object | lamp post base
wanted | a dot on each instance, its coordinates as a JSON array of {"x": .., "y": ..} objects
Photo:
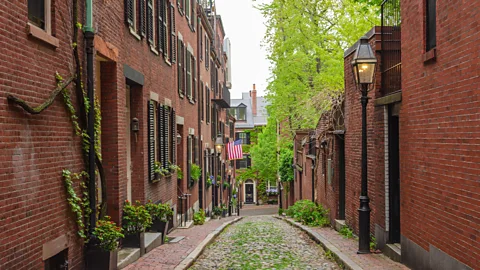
[{"x": 364, "y": 230}]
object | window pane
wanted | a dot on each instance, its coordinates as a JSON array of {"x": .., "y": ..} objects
[
  {"x": 241, "y": 114},
  {"x": 36, "y": 12},
  {"x": 243, "y": 137}
]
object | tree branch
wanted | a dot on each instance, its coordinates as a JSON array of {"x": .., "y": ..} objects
[{"x": 46, "y": 104}]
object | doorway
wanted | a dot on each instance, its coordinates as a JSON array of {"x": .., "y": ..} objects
[
  {"x": 249, "y": 192},
  {"x": 394, "y": 174},
  {"x": 341, "y": 177}
]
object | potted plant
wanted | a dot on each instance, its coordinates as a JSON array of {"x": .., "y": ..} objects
[
  {"x": 219, "y": 180},
  {"x": 103, "y": 253},
  {"x": 160, "y": 213},
  {"x": 136, "y": 219},
  {"x": 199, "y": 217},
  {"x": 216, "y": 212},
  {"x": 157, "y": 170},
  {"x": 224, "y": 209},
  {"x": 209, "y": 182},
  {"x": 226, "y": 185},
  {"x": 195, "y": 172}
]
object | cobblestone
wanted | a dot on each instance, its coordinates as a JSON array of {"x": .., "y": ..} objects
[{"x": 263, "y": 242}]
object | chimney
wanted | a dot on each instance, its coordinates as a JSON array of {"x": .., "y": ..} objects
[{"x": 253, "y": 94}]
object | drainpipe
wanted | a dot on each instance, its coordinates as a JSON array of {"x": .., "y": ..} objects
[
  {"x": 313, "y": 179},
  {"x": 89, "y": 36}
]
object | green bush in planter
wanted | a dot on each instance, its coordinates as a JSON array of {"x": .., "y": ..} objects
[
  {"x": 195, "y": 172},
  {"x": 226, "y": 185},
  {"x": 308, "y": 213},
  {"x": 217, "y": 211},
  {"x": 108, "y": 234},
  {"x": 136, "y": 218},
  {"x": 199, "y": 217},
  {"x": 161, "y": 211}
]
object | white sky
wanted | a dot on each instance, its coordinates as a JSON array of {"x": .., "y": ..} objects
[{"x": 244, "y": 25}]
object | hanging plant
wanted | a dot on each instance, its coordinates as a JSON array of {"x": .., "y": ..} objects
[{"x": 195, "y": 172}]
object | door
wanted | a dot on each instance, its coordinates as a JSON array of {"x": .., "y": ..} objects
[
  {"x": 341, "y": 180},
  {"x": 249, "y": 193},
  {"x": 394, "y": 176},
  {"x": 129, "y": 146}
]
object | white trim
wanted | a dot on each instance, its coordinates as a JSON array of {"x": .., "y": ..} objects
[
  {"x": 48, "y": 17},
  {"x": 254, "y": 191}
]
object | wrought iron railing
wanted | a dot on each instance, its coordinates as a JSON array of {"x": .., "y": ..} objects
[{"x": 391, "y": 66}]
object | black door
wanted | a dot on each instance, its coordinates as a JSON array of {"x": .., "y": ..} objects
[
  {"x": 394, "y": 177},
  {"x": 341, "y": 180},
  {"x": 248, "y": 193}
]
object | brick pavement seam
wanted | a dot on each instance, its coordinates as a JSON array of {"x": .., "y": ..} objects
[
  {"x": 340, "y": 257},
  {"x": 193, "y": 256}
]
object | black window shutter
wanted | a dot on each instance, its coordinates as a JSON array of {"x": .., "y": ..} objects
[
  {"x": 237, "y": 163},
  {"x": 192, "y": 13},
  {"x": 195, "y": 155},
  {"x": 174, "y": 137},
  {"x": 150, "y": 17},
  {"x": 194, "y": 74},
  {"x": 141, "y": 17},
  {"x": 185, "y": 59},
  {"x": 189, "y": 150},
  {"x": 179, "y": 67},
  {"x": 249, "y": 161},
  {"x": 248, "y": 137},
  {"x": 165, "y": 135},
  {"x": 161, "y": 129},
  {"x": 173, "y": 48},
  {"x": 237, "y": 136},
  {"x": 151, "y": 141},
  {"x": 160, "y": 25},
  {"x": 129, "y": 13}
]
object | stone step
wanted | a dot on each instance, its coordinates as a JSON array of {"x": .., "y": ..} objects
[
  {"x": 394, "y": 252},
  {"x": 127, "y": 256},
  {"x": 152, "y": 240}
]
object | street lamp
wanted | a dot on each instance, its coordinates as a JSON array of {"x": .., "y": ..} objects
[
  {"x": 363, "y": 64},
  {"x": 219, "y": 143}
]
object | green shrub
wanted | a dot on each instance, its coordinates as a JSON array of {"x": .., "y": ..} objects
[
  {"x": 346, "y": 232},
  {"x": 199, "y": 217},
  {"x": 161, "y": 211},
  {"x": 108, "y": 234},
  {"x": 280, "y": 211},
  {"x": 308, "y": 213},
  {"x": 195, "y": 172},
  {"x": 135, "y": 218},
  {"x": 217, "y": 211}
]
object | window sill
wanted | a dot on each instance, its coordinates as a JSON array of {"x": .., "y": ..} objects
[
  {"x": 430, "y": 56},
  {"x": 153, "y": 50},
  {"x": 41, "y": 35},
  {"x": 167, "y": 61},
  {"x": 190, "y": 99},
  {"x": 181, "y": 95},
  {"x": 134, "y": 33}
]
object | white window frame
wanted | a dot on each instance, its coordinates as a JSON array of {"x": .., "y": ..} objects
[{"x": 48, "y": 17}]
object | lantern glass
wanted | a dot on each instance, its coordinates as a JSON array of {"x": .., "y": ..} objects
[
  {"x": 364, "y": 72},
  {"x": 219, "y": 144}
]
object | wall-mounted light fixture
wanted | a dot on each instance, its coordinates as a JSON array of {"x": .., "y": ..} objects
[{"x": 179, "y": 138}]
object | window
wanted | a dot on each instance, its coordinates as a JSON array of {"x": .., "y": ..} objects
[
  {"x": 180, "y": 73},
  {"x": 240, "y": 113},
  {"x": 163, "y": 34},
  {"x": 161, "y": 137},
  {"x": 39, "y": 14},
  {"x": 189, "y": 74},
  {"x": 207, "y": 103},
  {"x": 187, "y": 10},
  {"x": 431, "y": 29},
  {"x": 201, "y": 97},
  {"x": 192, "y": 14},
  {"x": 201, "y": 44},
  {"x": 243, "y": 136},
  {"x": 207, "y": 58},
  {"x": 173, "y": 38},
  {"x": 243, "y": 163}
]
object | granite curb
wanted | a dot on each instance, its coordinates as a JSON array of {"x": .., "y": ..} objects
[
  {"x": 341, "y": 258},
  {"x": 190, "y": 259}
]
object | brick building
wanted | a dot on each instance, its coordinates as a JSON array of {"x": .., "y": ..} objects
[{"x": 150, "y": 68}]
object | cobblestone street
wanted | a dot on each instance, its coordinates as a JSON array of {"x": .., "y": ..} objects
[{"x": 263, "y": 242}]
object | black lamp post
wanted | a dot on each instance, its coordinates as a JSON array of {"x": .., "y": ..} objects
[
  {"x": 218, "y": 148},
  {"x": 363, "y": 64}
]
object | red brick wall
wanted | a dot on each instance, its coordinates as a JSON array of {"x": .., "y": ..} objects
[
  {"x": 34, "y": 148},
  {"x": 439, "y": 122}
]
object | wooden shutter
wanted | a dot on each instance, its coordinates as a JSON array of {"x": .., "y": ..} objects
[
  {"x": 188, "y": 60},
  {"x": 151, "y": 140},
  {"x": 202, "y": 101},
  {"x": 194, "y": 74},
  {"x": 173, "y": 47},
  {"x": 248, "y": 138},
  {"x": 150, "y": 17},
  {"x": 192, "y": 13},
  {"x": 200, "y": 43},
  {"x": 129, "y": 13},
  {"x": 195, "y": 151},
  {"x": 189, "y": 150},
  {"x": 161, "y": 26},
  {"x": 179, "y": 67},
  {"x": 184, "y": 63},
  {"x": 207, "y": 104},
  {"x": 174, "y": 136},
  {"x": 166, "y": 153},
  {"x": 161, "y": 129},
  {"x": 141, "y": 17}
]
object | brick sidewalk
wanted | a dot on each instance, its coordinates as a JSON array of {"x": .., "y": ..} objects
[
  {"x": 170, "y": 255},
  {"x": 347, "y": 249}
]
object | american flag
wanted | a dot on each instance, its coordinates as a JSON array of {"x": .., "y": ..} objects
[{"x": 235, "y": 150}]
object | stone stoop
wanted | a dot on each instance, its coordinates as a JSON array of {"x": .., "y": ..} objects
[
  {"x": 188, "y": 225},
  {"x": 339, "y": 224},
  {"x": 394, "y": 252},
  {"x": 127, "y": 256}
]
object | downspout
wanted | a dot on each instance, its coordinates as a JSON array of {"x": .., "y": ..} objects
[
  {"x": 89, "y": 36},
  {"x": 313, "y": 179}
]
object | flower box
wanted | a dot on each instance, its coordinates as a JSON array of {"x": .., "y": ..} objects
[
  {"x": 99, "y": 259},
  {"x": 135, "y": 240}
]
